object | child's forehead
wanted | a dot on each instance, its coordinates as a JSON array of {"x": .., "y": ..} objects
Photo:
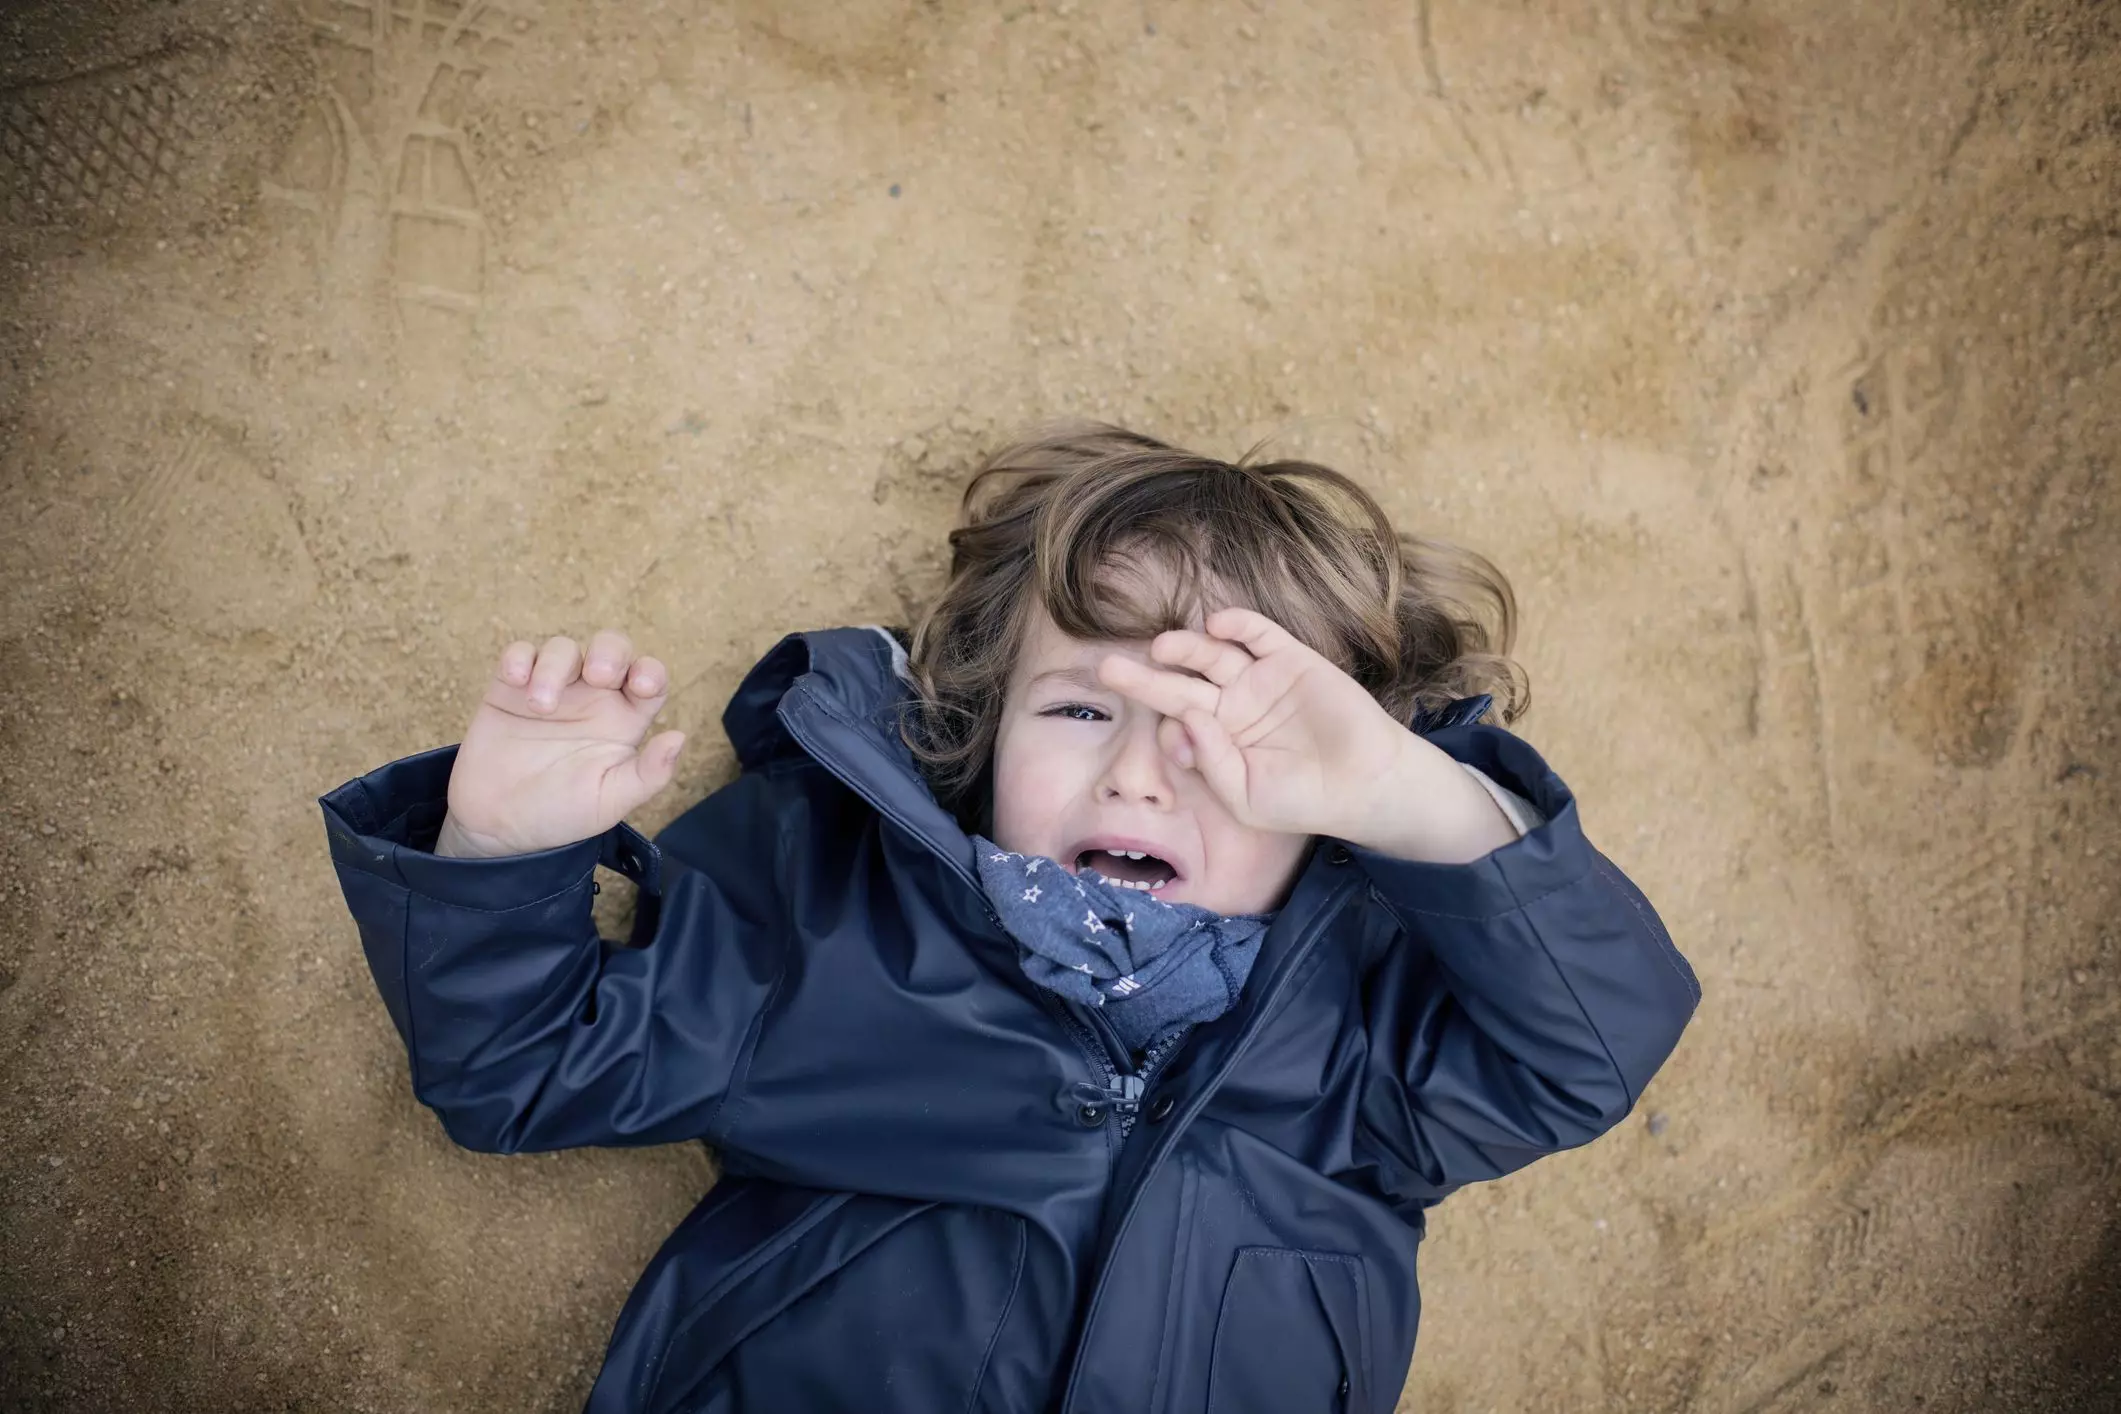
[
  {"x": 1049, "y": 654},
  {"x": 1132, "y": 599},
  {"x": 1045, "y": 645}
]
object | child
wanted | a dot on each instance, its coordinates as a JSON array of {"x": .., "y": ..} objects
[{"x": 1087, "y": 1004}]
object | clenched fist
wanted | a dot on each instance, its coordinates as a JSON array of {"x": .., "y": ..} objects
[{"x": 554, "y": 753}]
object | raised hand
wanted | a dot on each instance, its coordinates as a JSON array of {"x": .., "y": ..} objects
[
  {"x": 554, "y": 753},
  {"x": 1289, "y": 742}
]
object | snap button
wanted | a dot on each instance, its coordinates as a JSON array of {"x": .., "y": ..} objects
[
  {"x": 1161, "y": 1110},
  {"x": 1090, "y": 1116},
  {"x": 1338, "y": 855}
]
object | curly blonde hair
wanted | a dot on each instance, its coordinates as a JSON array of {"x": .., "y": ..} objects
[{"x": 1058, "y": 520}]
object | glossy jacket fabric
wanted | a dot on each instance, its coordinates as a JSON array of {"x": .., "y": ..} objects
[{"x": 941, "y": 1191}]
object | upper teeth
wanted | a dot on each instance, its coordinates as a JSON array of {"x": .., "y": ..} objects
[{"x": 1129, "y": 853}]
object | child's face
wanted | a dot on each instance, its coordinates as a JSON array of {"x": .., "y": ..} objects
[{"x": 1077, "y": 769}]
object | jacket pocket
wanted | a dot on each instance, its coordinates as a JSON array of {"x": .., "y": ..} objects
[
  {"x": 830, "y": 1233},
  {"x": 1289, "y": 1337},
  {"x": 776, "y": 1297},
  {"x": 739, "y": 1230}
]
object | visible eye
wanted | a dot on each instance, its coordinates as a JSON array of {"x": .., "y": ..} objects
[{"x": 1071, "y": 709}]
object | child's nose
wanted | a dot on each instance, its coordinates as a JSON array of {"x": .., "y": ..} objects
[{"x": 1138, "y": 769}]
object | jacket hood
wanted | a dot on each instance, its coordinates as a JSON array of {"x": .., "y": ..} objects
[
  {"x": 861, "y": 671},
  {"x": 839, "y": 696}
]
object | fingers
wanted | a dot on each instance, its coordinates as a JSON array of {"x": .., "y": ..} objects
[
  {"x": 516, "y": 658},
  {"x": 1259, "y": 634},
  {"x": 559, "y": 664},
  {"x": 1216, "y": 659},
  {"x": 648, "y": 679},
  {"x": 1172, "y": 694},
  {"x": 610, "y": 655},
  {"x": 648, "y": 771},
  {"x": 548, "y": 670}
]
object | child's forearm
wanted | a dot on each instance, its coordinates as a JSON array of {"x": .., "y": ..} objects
[{"x": 1428, "y": 809}]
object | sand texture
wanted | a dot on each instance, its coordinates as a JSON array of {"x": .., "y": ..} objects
[{"x": 1771, "y": 348}]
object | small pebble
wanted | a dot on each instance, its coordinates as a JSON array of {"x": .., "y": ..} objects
[
  {"x": 894, "y": 188},
  {"x": 1658, "y": 1123}
]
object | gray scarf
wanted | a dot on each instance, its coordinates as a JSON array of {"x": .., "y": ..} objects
[{"x": 1150, "y": 966}]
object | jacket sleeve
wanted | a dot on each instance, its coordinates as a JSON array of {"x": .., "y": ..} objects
[
  {"x": 1530, "y": 997},
  {"x": 525, "y": 1029}
]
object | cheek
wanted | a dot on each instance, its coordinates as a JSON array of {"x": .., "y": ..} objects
[
  {"x": 1261, "y": 867},
  {"x": 1032, "y": 788}
]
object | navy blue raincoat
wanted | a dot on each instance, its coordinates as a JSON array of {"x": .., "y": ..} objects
[{"x": 944, "y": 1188}]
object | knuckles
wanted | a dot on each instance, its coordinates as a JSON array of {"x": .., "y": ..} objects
[{"x": 609, "y": 654}]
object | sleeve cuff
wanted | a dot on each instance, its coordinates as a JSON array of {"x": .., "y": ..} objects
[
  {"x": 385, "y": 823},
  {"x": 1524, "y": 817},
  {"x": 1551, "y": 854}
]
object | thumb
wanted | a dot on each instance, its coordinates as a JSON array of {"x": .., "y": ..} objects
[
  {"x": 1216, "y": 757},
  {"x": 1171, "y": 736},
  {"x": 647, "y": 771}
]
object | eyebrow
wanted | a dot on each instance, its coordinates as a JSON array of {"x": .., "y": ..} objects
[
  {"x": 1081, "y": 675},
  {"x": 1084, "y": 676}
]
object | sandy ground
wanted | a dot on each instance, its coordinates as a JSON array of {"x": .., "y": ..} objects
[{"x": 1770, "y": 347}]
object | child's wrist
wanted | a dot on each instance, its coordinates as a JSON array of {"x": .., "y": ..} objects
[
  {"x": 1428, "y": 809},
  {"x": 456, "y": 842}
]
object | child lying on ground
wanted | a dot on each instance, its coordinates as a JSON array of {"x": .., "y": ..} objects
[{"x": 1088, "y": 998}]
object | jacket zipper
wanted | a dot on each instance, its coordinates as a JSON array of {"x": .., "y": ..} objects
[
  {"x": 1314, "y": 929},
  {"x": 1161, "y": 1050},
  {"x": 1124, "y": 1087}
]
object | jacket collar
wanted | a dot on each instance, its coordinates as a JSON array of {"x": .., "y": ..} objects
[{"x": 840, "y": 696}]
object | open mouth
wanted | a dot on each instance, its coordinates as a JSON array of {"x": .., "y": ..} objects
[{"x": 1129, "y": 868}]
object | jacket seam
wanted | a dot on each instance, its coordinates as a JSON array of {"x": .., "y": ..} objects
[
  {"x": 570, "y": 887},
  {"x": 1016, "y": 1284},
  {"x": 1667, "y": 949},
  {"x": 1545, "y": 951},
  {"x": 740, "y": 1075},
  {"x": 829, "y": 708},
  {"x": 1519, "y": 903},
  {"x": 1561, "y": 975},
  {"x": 412, "y": 1027},
  {"x": 384, "y": 829},
  {"x": 748, "y": 1267}
]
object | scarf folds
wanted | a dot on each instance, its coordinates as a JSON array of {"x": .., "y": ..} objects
[{"x": 1149, "y": 966}]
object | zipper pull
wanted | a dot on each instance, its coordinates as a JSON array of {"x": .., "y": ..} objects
[
  {"x": 1123, "y": 1096},
  {"x": 1127, "y": 1093}
]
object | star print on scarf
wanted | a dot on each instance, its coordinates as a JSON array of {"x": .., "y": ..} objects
[{"x": 1150, "y": 965}]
